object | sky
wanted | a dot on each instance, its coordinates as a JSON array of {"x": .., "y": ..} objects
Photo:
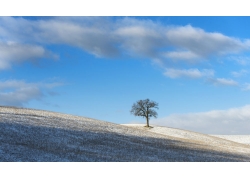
[{"x": 195, "y": 67}]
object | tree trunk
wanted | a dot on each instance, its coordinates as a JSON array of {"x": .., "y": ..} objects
[
  {"x": 147, "y": 121},
  {"x": 147, "y": 117}
]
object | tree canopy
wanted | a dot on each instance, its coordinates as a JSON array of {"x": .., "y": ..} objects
[{"x": 145, "y": 109}]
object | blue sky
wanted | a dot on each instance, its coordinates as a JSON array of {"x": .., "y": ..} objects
[{"x": 196, "y": 68}]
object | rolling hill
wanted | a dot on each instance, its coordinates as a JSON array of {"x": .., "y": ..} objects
[{"x": 36, "y": 135}]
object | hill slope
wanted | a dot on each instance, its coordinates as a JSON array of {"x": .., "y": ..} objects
[
  {"x": 244, "y": 139},
  {"x": 34, "y": 135}
]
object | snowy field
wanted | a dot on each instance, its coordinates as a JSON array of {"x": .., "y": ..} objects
[
  {"x": 35, "y": 135},
  {"x": 244, "y": 139}
]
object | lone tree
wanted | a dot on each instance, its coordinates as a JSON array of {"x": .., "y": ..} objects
[{"x": 144, "y": 108}]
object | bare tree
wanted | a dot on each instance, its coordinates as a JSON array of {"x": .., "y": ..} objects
[{"x": 144, "y": 108}]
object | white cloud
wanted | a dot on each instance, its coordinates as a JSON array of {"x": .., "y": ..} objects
[
  {"x": 141, "y": 40},
  {"x": 239, "y": 73},
  {"x": 95, "y": 40},
  {"x": 203, "y": 43},
  {"x": 182, "y": 55},
  {"x": 242, "y": 60},
  {"x": 222, "y": 82},
  {"x": 11, "y": 52},
  {"x": 78, "y": 32},
  {"x": 190, "y": 73},
  {"x": 18, "y": 93},
  {"x": 104, "y": 37},
  {"x": 246, "y": 87},
  {"x": 231, "y": 121}
]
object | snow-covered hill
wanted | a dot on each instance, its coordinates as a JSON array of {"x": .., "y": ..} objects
[
  {"x": 34, "y": 135},
  {"x": 179, "y": 133},
  {"x": 244, "y": 139}
]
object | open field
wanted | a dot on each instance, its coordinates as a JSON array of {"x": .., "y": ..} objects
[
  {"x": 244, "y": 139},
  {"x": 34, "y": 135},
  {"x": 179, "y": 133}
]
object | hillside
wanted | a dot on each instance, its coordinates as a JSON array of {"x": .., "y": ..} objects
[
  {"x": 185, "y": 134},
  {"x": 244, "y": 139},
  {"x": 35, "y": 135}
]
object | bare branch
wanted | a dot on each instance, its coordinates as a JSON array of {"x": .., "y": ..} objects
[{"x": 144, "y": 108}]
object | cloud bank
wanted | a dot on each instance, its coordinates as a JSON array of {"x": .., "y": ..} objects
[
  {"x": 170, "y": 46},
  {"x": 203, "y": 44},
  {"x": 11, "y": 53},
  {"x": 106, "y": 37},
  {"x": 232, "y": 121},
  {"x": 19, "y": 93}
]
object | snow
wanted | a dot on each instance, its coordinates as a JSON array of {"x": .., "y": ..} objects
[
  {"x": 179, "y": 133},
  {"x": 35, "y": 135},
  {"x": 224, "y": 141},
  {"x": 244, "y": 139}
]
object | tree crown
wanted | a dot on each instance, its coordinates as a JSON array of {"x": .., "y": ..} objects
[{"x": 144, "y": 108}]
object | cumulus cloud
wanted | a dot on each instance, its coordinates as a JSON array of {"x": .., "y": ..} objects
[
  {"x": 105, "y": 37},
  {"x": 24, "y": 40},
  {"x": 182, "y": 55},
  {"x": 190, "y": 73},
  {"x": 143, "y": 41},
  {"x": 231, "y": 121},
  {"x": 203, "y": 43},
  {"x": 222, "y": 82},
  {"x": 18, "y": 92},
  {"x": 82, "y": 33},
  {"x": 16, "y": 53},
  {"x": 95, "y": 40}
]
